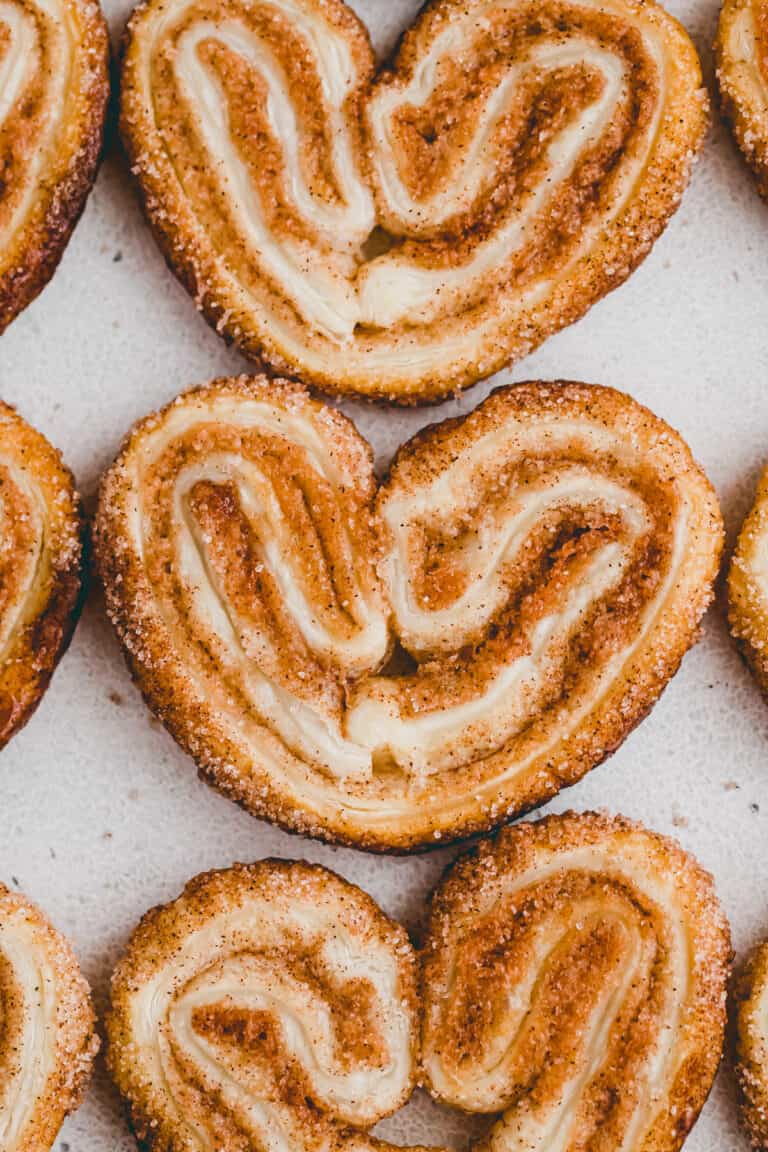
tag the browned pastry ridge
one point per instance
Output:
(573, 980)
(748, 586)
(750, 1017)
(55, 84)
(405, 234)
(47, 1038)
(397, 667)
(741, 52)
(41, 559)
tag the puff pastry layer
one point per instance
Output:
(751, 1035)
(540, 568)
(741, 51)
(54, 85)
(270, 1006)
(406, 234)
(574, 980)
(47, 1039)
(41, 558)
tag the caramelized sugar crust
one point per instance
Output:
(574, 980)
(41, 558)
(750, 1017)
(741, 52)
(748, 586)
(271, 1003)
(47, 1038)
(403, 235)
(394, 667)
(54, 73)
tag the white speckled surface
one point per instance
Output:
(103, 817)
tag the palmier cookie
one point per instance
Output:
(574, 981)
(269, 1006)
(54, 84)
(750, 1018)
(540, 568)
(748, 586)
(40, 567)
(403, 235)
(741, 52)
(47, 1039)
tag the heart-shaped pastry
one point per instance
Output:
(748, 586)
(406, 234)
(41, 529)
(393, 668)
(741, 52)
(573, 980)
(54, 86)
(47, 1038)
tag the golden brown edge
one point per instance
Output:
(645, 220)
(749, 1049)
(753, 148)
(42, 246)
(747, 617)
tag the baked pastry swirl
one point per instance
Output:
(741, 51)
(574, 980)
(54, 85)
(573, 977)
(41, 558)
(270, 1006)
(406, 234)
(47, 1038)
(748, 586)
(540, 566)
(751, 1035)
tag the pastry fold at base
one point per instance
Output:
(574, 980)
(271, 1005)
(41, 559)
(47, 1038)
(391, 668)
(54, 87)
(748, 586)
(405, 234)
(750, 1019)
(741, 56)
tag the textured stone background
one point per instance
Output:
(101, 815)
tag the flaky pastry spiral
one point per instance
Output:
(750, 1017)
(541, 567)
(41, 556)
(574, 980)
(270, 1006)
(47, 1039)
(406, 234)
(741, 51)
(54, 85)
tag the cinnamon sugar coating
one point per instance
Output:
(395, 667)
(54, 61)
(750, 1018)
(748, 586)
(404, 234)
(41, 560)
(574, 980)
(47, 1037)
